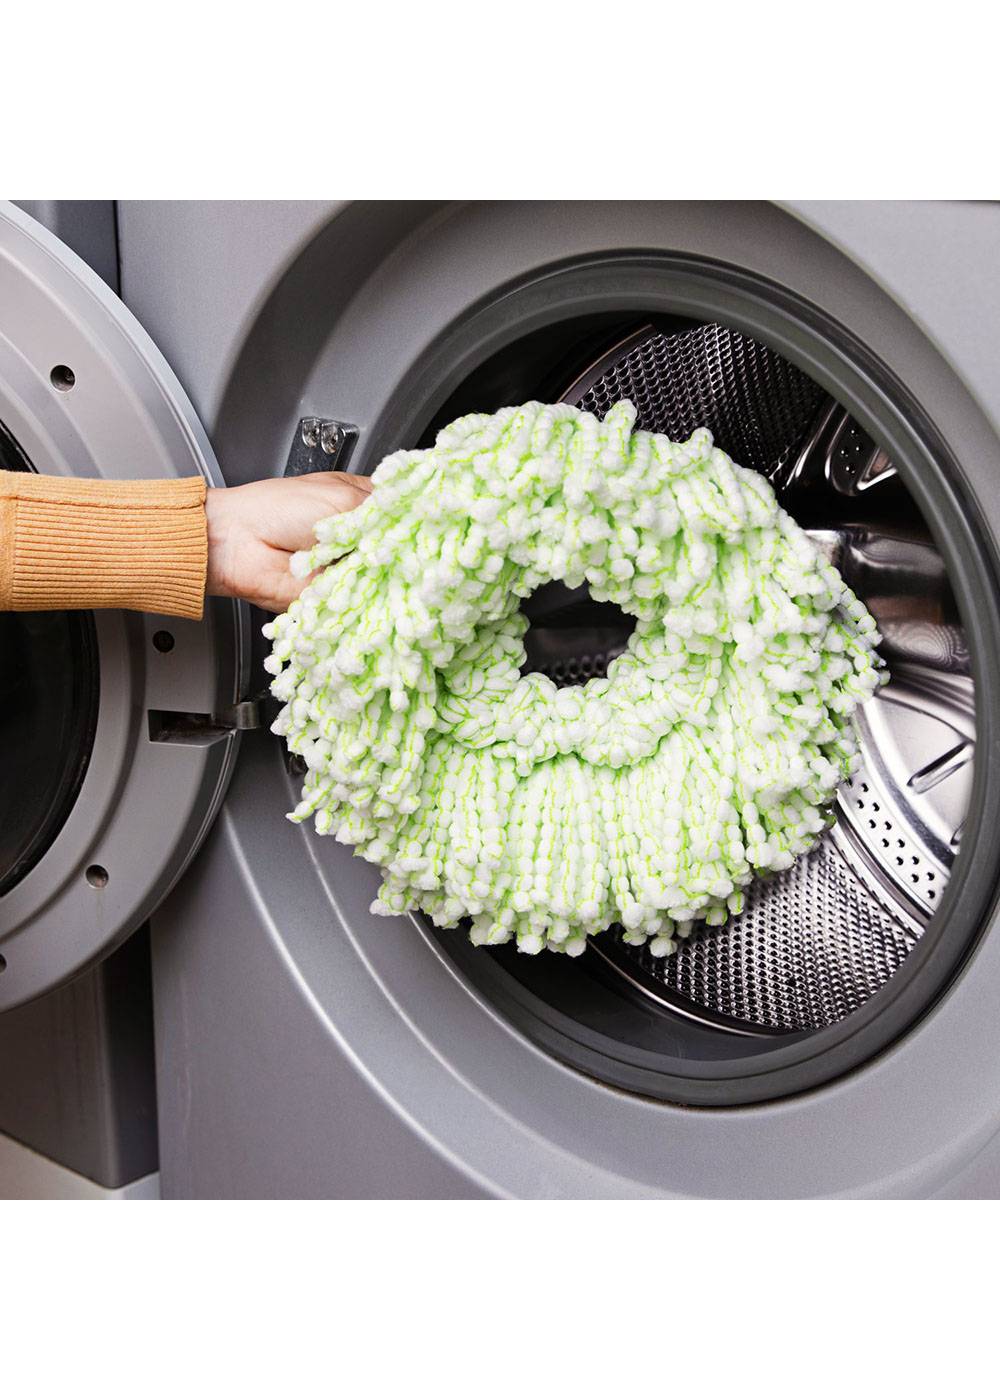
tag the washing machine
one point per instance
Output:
(264, 1034)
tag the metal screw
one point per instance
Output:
(330, 438)
(310, 431)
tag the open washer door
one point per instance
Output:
(118, 732)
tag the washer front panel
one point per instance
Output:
(143, 807)
(373, 1014)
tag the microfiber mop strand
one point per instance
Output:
(712, 750)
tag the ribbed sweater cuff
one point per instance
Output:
(70, 543)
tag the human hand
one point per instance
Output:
(254, 530)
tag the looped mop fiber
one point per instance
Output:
(649, 799)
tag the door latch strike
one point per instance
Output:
(320, 445)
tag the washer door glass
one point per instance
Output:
(48, 709)
(115, 740)
(49, 691)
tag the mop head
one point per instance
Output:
(711, 752)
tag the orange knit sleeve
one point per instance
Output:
(69, 543)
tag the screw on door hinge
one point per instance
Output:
(320, 445)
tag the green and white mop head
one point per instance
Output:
(711, 751)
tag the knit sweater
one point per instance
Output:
(68, 543)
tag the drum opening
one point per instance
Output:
(808, 981)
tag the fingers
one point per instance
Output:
(301, 502)
(282, 597)
(343, 485)
(275, 589)
(254, 529)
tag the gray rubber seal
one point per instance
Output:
(680, 1063)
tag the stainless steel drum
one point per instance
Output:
(817, 941)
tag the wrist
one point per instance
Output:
(218, 573)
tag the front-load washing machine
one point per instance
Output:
(836, 1038)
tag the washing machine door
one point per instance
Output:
(118, 732)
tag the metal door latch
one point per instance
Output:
(320, 445)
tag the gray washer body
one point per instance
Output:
(306, 1048)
